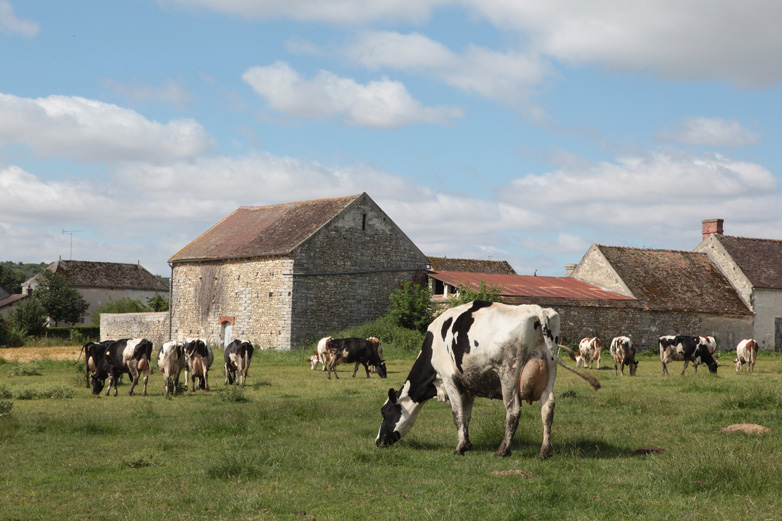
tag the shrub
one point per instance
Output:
(487, 292)
(5, 407)
(28, 318)
(123, 305)
(411, 306)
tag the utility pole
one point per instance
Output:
(71, 232)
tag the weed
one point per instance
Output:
(5, 407)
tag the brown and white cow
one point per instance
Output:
(589, 351)
(746, 353)
(323, 351)
(623, 353)
(198, 359)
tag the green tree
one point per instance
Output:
(123, 305)
(157, 303)
(411, 306)
(28, 317)
(487, 292)
(61, 302)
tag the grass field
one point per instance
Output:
(294, 445)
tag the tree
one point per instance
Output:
(123, 305)
(411, 306)
(61, 302)
(157, 303)
(487, 292)
(28, 318)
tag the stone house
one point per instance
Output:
(285, 274)
(754, 268)
(675, 292)
(102, 282)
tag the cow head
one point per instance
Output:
(633, 365)
(98, 381)
(399, 414)
(381, 369)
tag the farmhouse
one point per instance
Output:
(284, 274)
(101, 282)
(754, 269)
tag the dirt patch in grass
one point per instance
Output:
(29, 354)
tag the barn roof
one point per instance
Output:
(253, 231)
(670, 280)
(87, 274)
(471, 265)
(759, 259)
(545, 288)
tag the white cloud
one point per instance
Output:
(10, 24)
(507, 77)
(715, 132)
(89, 130)
(377, 104)
(338, 12)
(170, 91)
(702, 39)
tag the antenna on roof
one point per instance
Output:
(64, 231)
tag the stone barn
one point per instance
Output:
(285, 274)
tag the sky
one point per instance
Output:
(492, 129)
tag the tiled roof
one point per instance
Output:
(85, 274)
(471, 265)
(668, 280)
(13, 299)
(252, 231)
(531, 286)
(759, 259)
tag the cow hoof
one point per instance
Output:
(545, 453)
(502, 453)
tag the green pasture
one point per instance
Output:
(293, 445)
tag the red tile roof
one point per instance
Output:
(253, 231)
(531, 286)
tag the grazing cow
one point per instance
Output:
(93, 355)
(130, 355)
(198, 360)
(588, 351)
(314, 361)
(711, 345)
(171, 360)
(237, 357)
(623, 353)
(358, 350)
(323, 351)
(746, 353)
(684, 348)
(378, 348)
(482, 349)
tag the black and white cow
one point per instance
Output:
(685, 348)
(237, 357)
(623, 353)
(711, 344)
(198, 359)
(129, 355)
(358, 350)
(93, 356)
(479, 349)
(171, 361)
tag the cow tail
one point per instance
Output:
(79, 357)
(553, 348)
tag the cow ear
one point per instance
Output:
(392, 396)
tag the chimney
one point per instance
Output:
(711, 226)
(569, 269)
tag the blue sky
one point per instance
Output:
(500, 129)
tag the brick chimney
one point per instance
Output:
(710, 226)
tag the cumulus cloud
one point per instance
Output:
(171, 91)
(715, 132)
(377, 104)
(507, 77)
(338, 12)
(715, 39)
(11, 25)
(88, 130)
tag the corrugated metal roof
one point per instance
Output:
(530, 286)
(759, 259)
(252, 231)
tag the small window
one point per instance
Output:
(364, 222)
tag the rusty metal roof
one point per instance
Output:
(253, 231)
(530, 286)
(759, 259)
(472, 265)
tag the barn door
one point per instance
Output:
(778, 334)
(227, 329)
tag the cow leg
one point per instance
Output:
(206, 379)
(355, 369)
(133, 372)
(547, 415)
(226, 374)
(509, 380)
(461, 405)
(366, 368)
(686, 362)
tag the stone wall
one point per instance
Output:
(152, 326)
(253, 295)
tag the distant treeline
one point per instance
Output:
(12, 274)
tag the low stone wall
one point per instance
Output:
(152, 326)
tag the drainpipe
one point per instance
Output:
(170, 299)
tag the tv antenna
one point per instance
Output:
(71, 232)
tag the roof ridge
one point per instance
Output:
(751, 238)
(649, 249)
(277, 205)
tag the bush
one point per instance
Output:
(411, 306)
(123, 305)
(28, 318)
(486, 292)
(5, 407)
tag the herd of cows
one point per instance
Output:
(479, 349)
